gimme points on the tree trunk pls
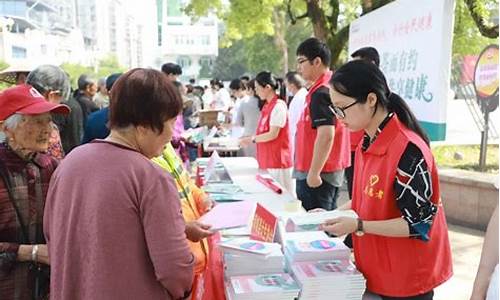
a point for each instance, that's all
(336, 44)
(318, 19)
(279, 37)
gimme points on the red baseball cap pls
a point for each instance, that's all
(26, 100)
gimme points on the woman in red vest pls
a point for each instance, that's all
(272, 136)
(401, 238)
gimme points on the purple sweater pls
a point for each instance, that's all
(114, 228)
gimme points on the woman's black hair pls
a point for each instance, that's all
(266, 78)
(358, 78)
(251, 86)
(237, 84)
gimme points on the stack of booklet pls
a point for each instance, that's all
(313, 246)
(311, 221)
(243, 256)
(329, 279)
(279, 286)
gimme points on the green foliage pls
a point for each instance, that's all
(467, 39)
(245, 19)
(74, 71)
(446, 158)
(259, 53)
(106, 67)
(204, 71)
(3, 66)
(230, 63)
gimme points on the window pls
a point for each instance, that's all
(205, 61)
(205, 40)
(160, 32)
(15, 8)
(184, 61)
(18, 52)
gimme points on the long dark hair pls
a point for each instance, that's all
(267, 78)
(358, 78)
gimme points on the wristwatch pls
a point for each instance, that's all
(359, 231)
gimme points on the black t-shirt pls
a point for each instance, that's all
(320, 110)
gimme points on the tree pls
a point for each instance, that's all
(259, 53)
(105, 67)
(109, 65)
(467, 38)
(74, 71)
(480, 13)
(330, 19)
(4, 85)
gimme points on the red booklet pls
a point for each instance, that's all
(263, 225)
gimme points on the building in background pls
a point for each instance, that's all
(194, 46)
(108, 28)
(72, 31)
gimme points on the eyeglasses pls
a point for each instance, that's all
(300, 61)
(340, 111)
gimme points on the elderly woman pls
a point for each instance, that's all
(53, 83)
(25, 172)
(113, 218)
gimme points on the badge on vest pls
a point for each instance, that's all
(370, 188)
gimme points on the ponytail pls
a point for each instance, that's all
(397, 105)
(281, 89)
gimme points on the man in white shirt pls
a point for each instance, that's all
(295, 84)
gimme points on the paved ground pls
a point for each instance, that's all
(460, 126)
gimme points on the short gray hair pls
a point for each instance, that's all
(47, 78)
(11, 123)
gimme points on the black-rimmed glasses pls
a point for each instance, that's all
(340, 111)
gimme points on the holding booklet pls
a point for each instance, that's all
(312, 220)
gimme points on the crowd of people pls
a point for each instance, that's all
(96, 202)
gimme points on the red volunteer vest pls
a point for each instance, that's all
(275, 154)
(397, 267)
(340, 157)
(356, 139)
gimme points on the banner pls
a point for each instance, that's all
(414, 40)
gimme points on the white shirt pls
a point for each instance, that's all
(222, 99)
(279, 114)
(296, 108)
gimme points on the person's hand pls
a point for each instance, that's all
(43, 255)
(313, 180)
(196, 231)
(245, 141)
(340, 226)
(316, 210)
(208, 203)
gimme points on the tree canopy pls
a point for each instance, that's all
(248, 22)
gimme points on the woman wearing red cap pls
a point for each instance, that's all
(25, 172)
